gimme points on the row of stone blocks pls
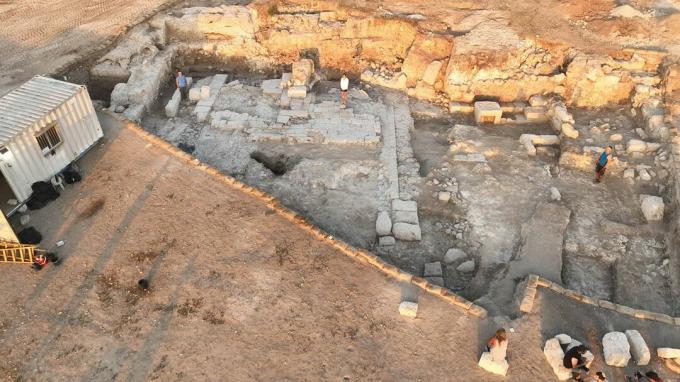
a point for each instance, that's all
(403, 225)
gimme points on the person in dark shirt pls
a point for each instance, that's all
(602, 162)
(575, 361)
(181, 83)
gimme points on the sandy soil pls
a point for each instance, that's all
(41, 36)
(238, 293)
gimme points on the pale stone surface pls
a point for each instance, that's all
(466, 267)
(386, 241)
(638, 347)
(205, 92)
(406, 232)
(453, 255)
(119, 95)
(555, 194)
(535, 113)
(616, 137)
(433, 269)
(444, 196)
(194, 94)
(629, 173)
(636, 146)
(271, 87)
(652, 207)
(410, 217)
(616, 349)
(436, 280)
(569, 131)
(538, 100)
(564, 339)
(297, 91)
(531, 140)
(432, 72)
(487, 112)
(668, 353)
(625, 11)
(302, 72)
(408, 309)
(404, 205)
(555, 357)
(488, 363)
(172, 106)
(383, 225)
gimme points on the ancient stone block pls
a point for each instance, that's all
(408, 309)
(535, 113)
(652, 207)
(205, 93)
(616, 349)
(406, 232)
(119, 95)
(383, 224)
(453, 255)
(410, 217)
(466, 267)
(297, 91)
(194, 94)
(488, 112)
(668, 352)
(172, 106)
(638, 347)
(488, 363)
(432, 72)
(404, 205)
(302, 72)
(555, 356)
(386, 241)
(436, 280)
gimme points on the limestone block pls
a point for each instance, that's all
(488, 112)
(271, 87)
(636, 146)
(286, 80)
(302, 72)
(432, 72)
(538, 100)
(404, 205)
(444, 196)
(205, 92)
(410, 217)
(433, 269)
(408, 309)
(457, 107)
(569, 131)
(194, 94)
(487, 363)
(297, 92)
(453, 255)
(652, 207)
(638, 347)
(668, 353)
(383, 225)
(616, 137)
(172, 106)
(119, 95)
(564, 339)
(386, 241)
(535, 113)
(424, 91)
(555, 356)
(625, 11)
(406, 232)
(466, 267)
(644, 175)
(616, 349)
(629, 173)
(285, 100)
(531, 140)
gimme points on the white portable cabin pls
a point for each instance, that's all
(45, 124)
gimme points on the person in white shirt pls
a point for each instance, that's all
(344, 91)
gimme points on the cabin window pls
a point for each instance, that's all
(49, 139)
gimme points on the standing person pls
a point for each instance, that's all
(181, 82)
(344, 90)
(498, 345)
(602, 163)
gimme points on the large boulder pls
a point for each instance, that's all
(616, 349)
(407, 232)
(488, 363)
(555, 356)
(668, 353)
(383, 225)
(638, 347)
(652, 207)
(453, 255)
(119, 95)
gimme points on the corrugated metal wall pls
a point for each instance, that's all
(25, 163)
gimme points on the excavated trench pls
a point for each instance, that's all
(475, 192)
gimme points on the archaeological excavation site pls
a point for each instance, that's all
(432, 171)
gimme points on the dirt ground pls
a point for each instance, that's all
(237, 292)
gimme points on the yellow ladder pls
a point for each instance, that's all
(11, 252)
